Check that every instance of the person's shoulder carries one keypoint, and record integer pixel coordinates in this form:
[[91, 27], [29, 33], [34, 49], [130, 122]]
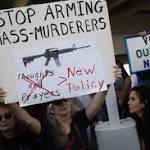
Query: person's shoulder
[[81, 119], [79, 113]]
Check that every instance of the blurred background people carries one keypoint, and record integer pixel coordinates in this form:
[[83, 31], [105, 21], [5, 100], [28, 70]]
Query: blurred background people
[[122, 88]]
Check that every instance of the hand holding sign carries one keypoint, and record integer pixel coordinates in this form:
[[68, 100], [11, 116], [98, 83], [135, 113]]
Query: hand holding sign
[[2, 95]]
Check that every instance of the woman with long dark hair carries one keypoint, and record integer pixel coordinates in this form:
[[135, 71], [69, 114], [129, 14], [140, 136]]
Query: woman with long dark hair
[[139, 107]]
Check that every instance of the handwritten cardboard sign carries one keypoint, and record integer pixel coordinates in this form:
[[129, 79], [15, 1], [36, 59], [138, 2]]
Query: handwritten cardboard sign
[[138, 51], [55, 50]]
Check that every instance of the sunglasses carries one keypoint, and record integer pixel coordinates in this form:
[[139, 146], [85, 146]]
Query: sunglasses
[[7, 116], [59, 102]]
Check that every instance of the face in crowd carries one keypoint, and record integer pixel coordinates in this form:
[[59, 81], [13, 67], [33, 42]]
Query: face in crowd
[[61, 107], [7, 120], [136, 105], [139, 99]]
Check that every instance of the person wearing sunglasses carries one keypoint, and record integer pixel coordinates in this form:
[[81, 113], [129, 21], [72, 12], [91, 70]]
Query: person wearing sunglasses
[[15, 130], [7, 120]]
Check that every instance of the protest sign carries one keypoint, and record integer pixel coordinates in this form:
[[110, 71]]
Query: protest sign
[[55, 50], [138, 51]]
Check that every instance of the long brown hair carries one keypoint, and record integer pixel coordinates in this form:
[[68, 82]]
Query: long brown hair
[[57, 131], [143, 93]]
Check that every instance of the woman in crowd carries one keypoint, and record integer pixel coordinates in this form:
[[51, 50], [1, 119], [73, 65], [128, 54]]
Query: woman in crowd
[[62, 131], [14, 134], [139, 107]]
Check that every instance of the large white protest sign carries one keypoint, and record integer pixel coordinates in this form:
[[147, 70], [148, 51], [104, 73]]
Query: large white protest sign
[[55, 50], [138, 51]]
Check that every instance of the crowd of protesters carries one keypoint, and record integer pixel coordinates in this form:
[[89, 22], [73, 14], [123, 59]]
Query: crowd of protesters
[[61, 130]]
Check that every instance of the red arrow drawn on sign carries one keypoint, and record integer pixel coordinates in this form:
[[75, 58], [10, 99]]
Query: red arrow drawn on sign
[[64, 80]]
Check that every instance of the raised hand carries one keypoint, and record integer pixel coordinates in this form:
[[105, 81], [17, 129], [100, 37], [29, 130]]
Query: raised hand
[[117, 72], [2, 94], [143, 33]]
